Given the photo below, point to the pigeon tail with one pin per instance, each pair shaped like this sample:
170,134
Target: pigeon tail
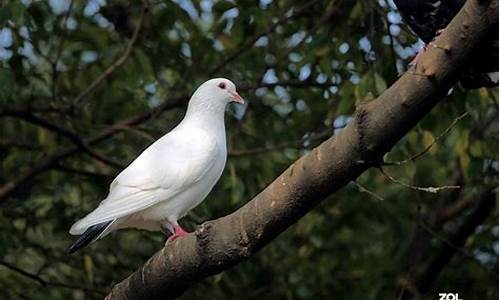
90,235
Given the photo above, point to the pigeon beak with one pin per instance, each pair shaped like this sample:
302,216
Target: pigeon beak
236,97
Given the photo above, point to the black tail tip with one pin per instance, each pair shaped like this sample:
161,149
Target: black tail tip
90,235
72,248
80,243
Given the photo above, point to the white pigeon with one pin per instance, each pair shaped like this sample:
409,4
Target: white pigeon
170,177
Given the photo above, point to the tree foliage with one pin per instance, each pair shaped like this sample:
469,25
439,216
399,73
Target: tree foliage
86,85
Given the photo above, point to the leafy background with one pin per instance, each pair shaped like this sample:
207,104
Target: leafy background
303,66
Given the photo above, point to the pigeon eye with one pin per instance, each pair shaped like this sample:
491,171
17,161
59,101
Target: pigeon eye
222,85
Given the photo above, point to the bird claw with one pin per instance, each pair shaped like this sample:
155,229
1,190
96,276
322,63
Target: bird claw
177,232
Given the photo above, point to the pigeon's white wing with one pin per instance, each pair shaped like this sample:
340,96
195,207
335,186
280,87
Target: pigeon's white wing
169,166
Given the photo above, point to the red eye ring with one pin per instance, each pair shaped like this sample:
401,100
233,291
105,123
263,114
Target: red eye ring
222,85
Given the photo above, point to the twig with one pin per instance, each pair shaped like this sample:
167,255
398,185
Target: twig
86,173
44,282
426,149
287,83
449,212
461,249
445,241
139,132
249,43
80,99
73,137
391,38
55,74
429,189
19,144
36,50
327,16
63,35
281,146
365,190
6,110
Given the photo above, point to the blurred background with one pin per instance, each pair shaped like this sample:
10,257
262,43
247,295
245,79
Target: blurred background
85,86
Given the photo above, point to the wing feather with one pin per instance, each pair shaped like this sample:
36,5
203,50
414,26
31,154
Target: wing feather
169,166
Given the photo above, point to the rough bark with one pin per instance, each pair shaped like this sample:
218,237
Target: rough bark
220,244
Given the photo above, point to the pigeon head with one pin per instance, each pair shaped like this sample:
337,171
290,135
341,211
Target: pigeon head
219,90
211,98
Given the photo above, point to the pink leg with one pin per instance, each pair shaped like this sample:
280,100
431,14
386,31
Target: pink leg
176,230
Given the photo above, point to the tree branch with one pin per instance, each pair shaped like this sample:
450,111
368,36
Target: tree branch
315,136
82,172
428,189
249,43
44,282
72,136
428,147
220,244
288,83
120,61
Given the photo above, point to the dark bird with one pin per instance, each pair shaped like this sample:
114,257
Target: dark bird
428,17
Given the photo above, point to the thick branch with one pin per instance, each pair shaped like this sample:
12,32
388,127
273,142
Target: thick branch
377,126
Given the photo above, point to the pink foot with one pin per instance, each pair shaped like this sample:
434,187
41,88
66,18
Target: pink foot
178,232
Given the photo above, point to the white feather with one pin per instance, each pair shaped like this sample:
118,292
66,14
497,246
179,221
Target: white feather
175,173
169,166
